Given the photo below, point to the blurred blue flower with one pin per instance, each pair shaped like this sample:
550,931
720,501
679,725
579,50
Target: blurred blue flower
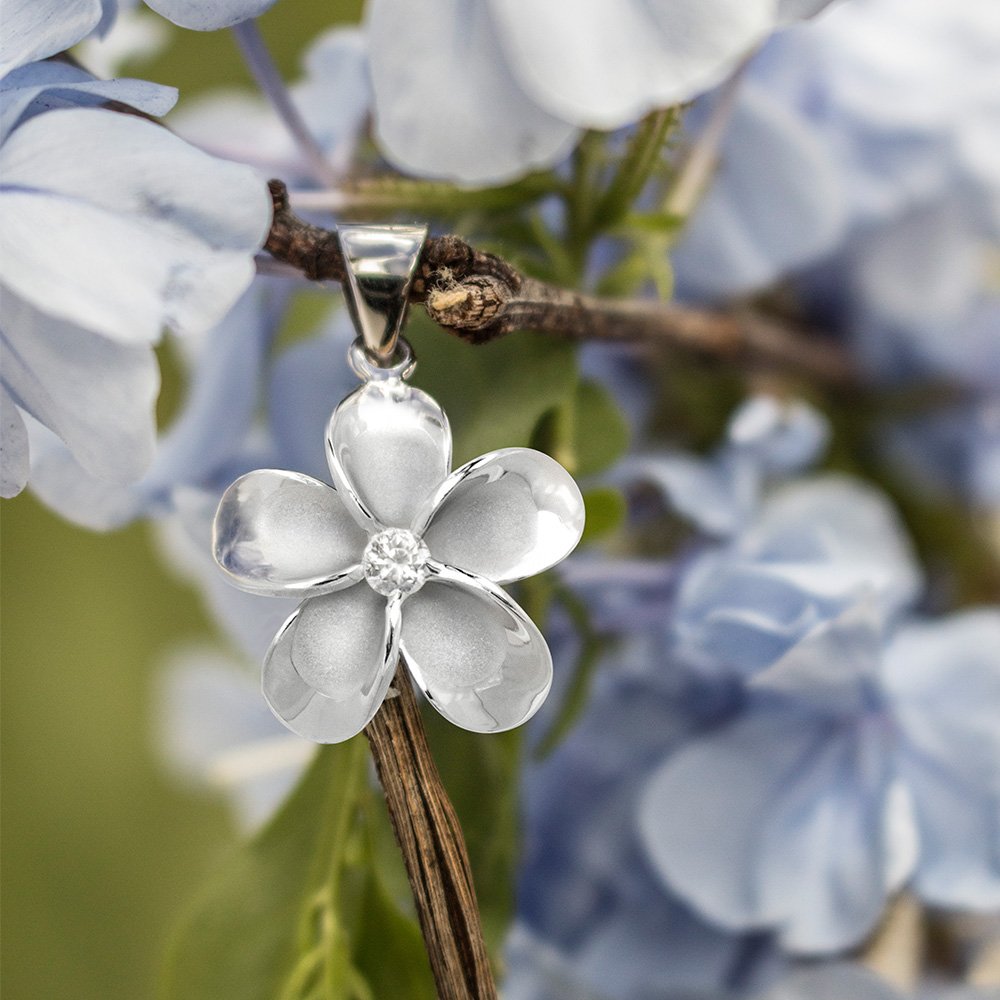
765,438
813,546
334,99
481,93
111,229
35,29
585,889
215,732
853,767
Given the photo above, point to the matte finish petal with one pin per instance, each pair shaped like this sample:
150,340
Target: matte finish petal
178,227
389,448
475,654
506,515
605,63
13,447
329,667
97,395
283,533
446,103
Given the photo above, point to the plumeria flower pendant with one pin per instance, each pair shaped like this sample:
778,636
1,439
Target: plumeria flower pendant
398,557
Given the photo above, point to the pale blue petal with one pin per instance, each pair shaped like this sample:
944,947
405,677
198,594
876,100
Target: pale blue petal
959,829
34,29
208,16
446,104
45,86
96,394
699,490
178,228
65,487
335,97
790,11
781,436
224,393
944,681
844,526
13,447
776,205
833,668
306,384
215,731
778,820
202,447
836,981
605,63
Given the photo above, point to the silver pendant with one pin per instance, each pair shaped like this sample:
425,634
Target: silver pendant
400,555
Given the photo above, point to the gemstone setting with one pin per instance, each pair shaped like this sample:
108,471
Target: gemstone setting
395,562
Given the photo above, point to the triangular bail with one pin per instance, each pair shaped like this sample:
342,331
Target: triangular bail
381,261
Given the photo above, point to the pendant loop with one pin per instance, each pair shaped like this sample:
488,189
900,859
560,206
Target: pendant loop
381,261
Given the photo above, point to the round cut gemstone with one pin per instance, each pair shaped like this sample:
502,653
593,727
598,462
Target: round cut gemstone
395,562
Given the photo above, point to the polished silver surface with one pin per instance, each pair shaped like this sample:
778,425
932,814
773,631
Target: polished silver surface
506,515
284,533
389,447
381,261
328,669
478,658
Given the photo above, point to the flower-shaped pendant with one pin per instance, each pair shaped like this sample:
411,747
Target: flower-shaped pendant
400,557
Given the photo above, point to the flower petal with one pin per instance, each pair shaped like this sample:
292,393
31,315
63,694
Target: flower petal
44,86
34,29
788,821
446,103
506,515
13,447
328,669
476,655
605,63
97,395
178,227
282,533
389,448
201,16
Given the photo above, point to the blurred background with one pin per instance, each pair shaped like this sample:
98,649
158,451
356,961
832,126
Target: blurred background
101,850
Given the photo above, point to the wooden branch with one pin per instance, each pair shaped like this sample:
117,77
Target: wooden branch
433,848
479,297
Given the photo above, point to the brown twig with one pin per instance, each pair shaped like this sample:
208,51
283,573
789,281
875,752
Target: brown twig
479,297
433,848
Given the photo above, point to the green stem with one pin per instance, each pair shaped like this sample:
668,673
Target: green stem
635,168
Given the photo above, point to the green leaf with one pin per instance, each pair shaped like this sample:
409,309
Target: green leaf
494,393
299,911
605,512
587,432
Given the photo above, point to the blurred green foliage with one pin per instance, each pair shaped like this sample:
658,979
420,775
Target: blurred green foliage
101,850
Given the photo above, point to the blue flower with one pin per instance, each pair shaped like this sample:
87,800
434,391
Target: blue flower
214,731
35,29
243,127
111,229
481,93
765,438
853,767
811,548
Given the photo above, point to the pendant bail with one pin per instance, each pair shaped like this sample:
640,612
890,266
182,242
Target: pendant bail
381,261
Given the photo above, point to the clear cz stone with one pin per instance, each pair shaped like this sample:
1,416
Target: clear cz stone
395,562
